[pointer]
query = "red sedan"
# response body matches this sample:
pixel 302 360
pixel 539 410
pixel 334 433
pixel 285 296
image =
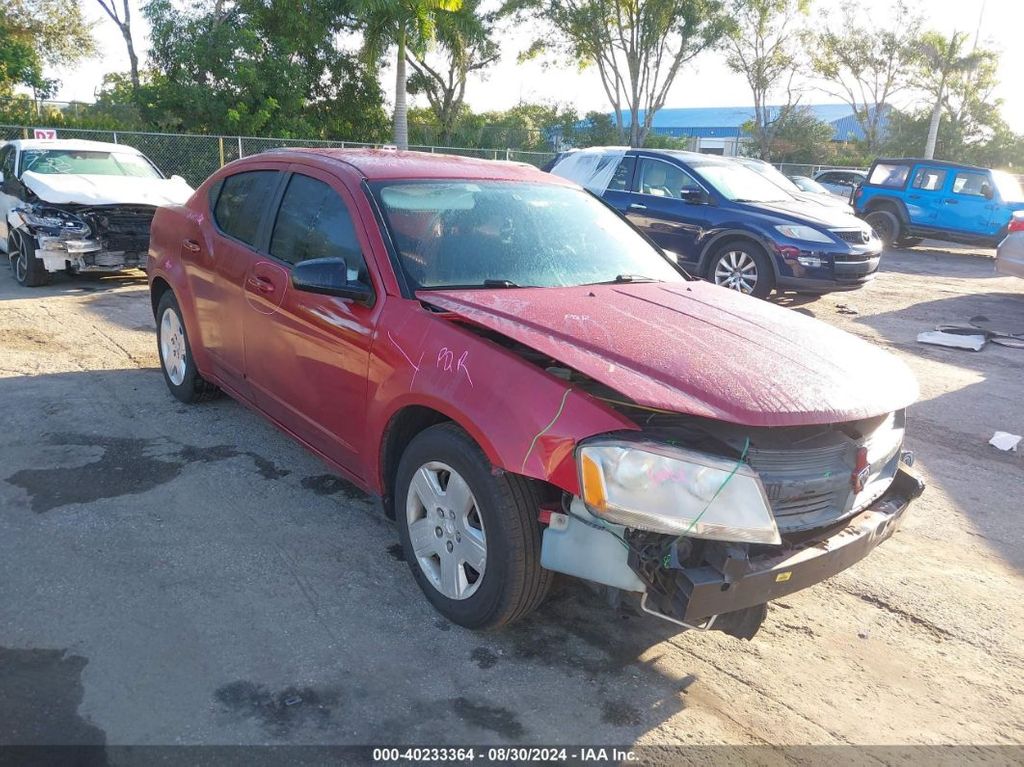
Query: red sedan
pixel 530 385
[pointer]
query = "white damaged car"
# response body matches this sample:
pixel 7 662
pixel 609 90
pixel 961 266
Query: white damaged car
pixel 78 206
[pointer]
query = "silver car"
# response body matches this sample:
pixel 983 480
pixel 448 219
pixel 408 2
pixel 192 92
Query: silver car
pixel 1010 255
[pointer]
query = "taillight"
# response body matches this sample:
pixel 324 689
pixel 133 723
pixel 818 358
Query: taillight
pixel 1016 224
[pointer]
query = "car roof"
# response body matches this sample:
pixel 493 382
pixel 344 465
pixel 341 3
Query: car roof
pixel 73 143
pixel 916 160
pixel 382 164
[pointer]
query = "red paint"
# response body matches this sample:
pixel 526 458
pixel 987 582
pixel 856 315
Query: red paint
pixel 333 373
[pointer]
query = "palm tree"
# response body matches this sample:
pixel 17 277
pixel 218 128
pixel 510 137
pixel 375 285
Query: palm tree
pixel 940 60
pixel 408 25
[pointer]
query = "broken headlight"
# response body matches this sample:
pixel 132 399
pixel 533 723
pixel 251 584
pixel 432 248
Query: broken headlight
pixel 665 489
pixel 54 219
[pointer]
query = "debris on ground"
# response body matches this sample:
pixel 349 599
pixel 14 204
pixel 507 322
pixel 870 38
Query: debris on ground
pixel 974 343
pixel 1005 441
pixel 844 309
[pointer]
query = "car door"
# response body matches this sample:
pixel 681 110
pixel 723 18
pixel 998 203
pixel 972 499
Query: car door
pixel 657 207
pixel 967 206
pixel 924 198
pixel 8 199
pixel 240 206
pixel 307 354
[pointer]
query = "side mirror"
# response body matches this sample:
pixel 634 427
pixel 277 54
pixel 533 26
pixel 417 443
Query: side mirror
pixel 176 177
pixel 987 192
pixel 329 276
pixel 693 196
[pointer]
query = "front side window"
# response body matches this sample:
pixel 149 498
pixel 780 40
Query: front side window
pixel 242 201
pixel 929 179
pixel 663 180
pixel 87 162
pixel 971 184
pixel 889 175
pixel 313 222
pixel 474 234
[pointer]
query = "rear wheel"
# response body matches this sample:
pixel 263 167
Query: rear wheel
pixel 180 372
pixel 886 225
pixel 470 536
pixel 744 267
pixel 28 270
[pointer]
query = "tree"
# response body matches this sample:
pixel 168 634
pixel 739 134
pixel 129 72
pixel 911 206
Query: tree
pixel 865 65
pixel 38 33
pixel 410 26
pixel 939 60
pixel 638 46
pixel 464 38
pixel 123 19
pixel 799 137
pixel 764 46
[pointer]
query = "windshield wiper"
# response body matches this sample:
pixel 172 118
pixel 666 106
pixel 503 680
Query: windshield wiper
pixel 622 279
pixel 500 284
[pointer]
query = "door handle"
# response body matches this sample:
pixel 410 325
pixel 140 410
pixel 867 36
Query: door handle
pixel 913 197
pixel 637 206
pixel 260 285
pixel 191 246
pixel 951 202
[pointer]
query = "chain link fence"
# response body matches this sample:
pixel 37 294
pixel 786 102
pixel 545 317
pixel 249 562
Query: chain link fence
pixel 194 157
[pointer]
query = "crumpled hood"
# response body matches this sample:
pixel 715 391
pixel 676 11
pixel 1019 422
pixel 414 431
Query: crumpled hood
pixel 70 188
pixel 697 348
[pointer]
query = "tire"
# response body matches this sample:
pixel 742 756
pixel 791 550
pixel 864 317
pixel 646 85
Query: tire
pixel 28 270
pixel 496 518
pixel 176 360
pixel 909 242
pixel 743 266
pixel 886 225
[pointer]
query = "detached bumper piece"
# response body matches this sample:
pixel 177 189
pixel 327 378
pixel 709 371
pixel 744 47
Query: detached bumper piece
pixel 733 585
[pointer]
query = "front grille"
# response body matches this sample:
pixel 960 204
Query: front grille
pixel 855 236
pixel 121 228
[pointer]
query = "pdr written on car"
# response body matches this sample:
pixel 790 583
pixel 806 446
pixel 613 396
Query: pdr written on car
pixel 530 386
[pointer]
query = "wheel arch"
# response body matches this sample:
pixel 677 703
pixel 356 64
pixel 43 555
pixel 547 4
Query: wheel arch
pixel 401 429
pixel 897 207
pixel 715 243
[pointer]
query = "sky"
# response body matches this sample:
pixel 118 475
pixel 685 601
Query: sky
pixel 705 82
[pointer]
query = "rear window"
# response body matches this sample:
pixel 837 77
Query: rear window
pixel 889 175
pixel 242 200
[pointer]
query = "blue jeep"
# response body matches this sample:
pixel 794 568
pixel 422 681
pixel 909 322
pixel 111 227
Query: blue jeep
pixel 908 200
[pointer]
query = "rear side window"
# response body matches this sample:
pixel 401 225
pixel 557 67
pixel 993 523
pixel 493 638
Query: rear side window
pixel 893 176
pixel 623 175
pixel 313 222
pixel 971 184
pixel 242 200
pixel 929 179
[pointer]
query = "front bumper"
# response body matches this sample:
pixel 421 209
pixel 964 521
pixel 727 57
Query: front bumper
pixel 737 582
pixel 839 269
pixel 85 255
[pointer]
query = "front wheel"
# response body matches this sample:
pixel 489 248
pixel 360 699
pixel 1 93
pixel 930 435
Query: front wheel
pixel 180 372
pixel 29 271
pixel 471 537
pixel 886 226
pixel 744 267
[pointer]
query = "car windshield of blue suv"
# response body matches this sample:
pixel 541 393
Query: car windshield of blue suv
pixel 502 234
pixel 1008 186
pixel 740 184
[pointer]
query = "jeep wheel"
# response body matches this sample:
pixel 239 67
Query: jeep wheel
pixel 470 535
pixel 886 226
pixel 179 369
pixel 28 270
pixel 742 266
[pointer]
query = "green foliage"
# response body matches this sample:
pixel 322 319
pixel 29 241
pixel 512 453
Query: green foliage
pixel 34 33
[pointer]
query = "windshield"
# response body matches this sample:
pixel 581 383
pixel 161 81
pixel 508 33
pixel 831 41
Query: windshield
pixel 1008 186
pixel 87 162
pixel 771 173
pixel 810 185
pixel 512 234
pixel 740 184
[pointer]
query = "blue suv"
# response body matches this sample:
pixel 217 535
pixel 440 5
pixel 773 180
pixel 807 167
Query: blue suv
pixel 908 200
pixel 726 223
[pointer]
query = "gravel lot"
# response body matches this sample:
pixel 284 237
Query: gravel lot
pixel 173 574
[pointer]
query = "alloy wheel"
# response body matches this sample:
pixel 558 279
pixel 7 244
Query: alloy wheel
pixel 737 270
pixel 19 259
pixel 172 346
pixel 446 531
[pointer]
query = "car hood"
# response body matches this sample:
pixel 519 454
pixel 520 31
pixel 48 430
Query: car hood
pixel 827 200
pixel 71 188
pixel 696 348
pixel 822 215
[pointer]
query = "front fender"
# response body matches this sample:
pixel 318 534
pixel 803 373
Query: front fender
pixel 717 237
pixel 526 421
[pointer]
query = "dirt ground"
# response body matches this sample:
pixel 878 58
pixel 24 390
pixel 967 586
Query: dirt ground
pixel 173 574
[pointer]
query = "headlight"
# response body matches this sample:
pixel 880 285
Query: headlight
pixel 805 233
pixel 50 218
pixel 671 490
